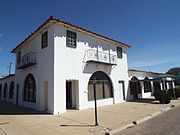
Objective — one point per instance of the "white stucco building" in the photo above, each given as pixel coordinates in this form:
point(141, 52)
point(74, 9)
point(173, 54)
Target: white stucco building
point(142, 84)
point(56, 66)
point(7, 88)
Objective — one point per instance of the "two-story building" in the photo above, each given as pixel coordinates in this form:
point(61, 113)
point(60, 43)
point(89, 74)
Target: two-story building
point(58, 63)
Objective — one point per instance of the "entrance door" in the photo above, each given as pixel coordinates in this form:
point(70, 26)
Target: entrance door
point(68, 95)
point(122, 89)
point(17, 93)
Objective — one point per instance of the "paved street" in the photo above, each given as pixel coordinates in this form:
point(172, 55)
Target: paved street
point(167, 123)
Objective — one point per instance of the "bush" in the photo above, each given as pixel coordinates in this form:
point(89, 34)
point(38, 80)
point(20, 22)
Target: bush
point(177, 92)
point(163, 96)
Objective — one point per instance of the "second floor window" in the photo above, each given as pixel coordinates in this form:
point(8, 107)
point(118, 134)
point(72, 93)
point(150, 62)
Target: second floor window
point(119, 52)
point(71, 39)
point(44, 40)
point(19, 57)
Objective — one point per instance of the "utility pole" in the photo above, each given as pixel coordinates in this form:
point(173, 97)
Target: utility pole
point(9, 67)
point(95, 102)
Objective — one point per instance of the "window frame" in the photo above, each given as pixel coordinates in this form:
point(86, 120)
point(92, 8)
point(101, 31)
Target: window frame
point(44, 40)
point(119, 52)
point(147, 85)
point(18, 57)
point(30, 89)
point(73, 38)
point(104, 86)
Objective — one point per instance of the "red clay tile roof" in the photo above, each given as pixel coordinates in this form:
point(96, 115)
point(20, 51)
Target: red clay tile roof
point(7, 76)
point(148, 72)
point(51, 18)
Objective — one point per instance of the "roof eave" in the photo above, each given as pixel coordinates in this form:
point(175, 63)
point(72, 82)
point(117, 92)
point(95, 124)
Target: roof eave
point(71, 25)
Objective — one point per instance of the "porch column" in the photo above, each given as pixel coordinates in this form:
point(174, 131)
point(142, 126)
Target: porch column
point(142, 88)
point(152, 87)
point(161, 85)
point(173, 85)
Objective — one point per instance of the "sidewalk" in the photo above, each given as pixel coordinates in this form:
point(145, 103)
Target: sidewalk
point(79, 122)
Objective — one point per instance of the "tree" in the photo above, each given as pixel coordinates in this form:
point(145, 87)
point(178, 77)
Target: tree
point(174, 71)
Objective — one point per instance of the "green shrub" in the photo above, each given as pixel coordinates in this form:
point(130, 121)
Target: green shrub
point(177, 92)
point(163, 96)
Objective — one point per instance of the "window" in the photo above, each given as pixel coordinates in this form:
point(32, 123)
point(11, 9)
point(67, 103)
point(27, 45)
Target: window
point(44, 40)
point(71, 39)
point(30, 89)
point(119, 52)
point(19, 57)
point(156, 85)
point(5, 91)
point(103, 86)
point(147, 85)
point(11, 90)
point(0, 91)
point(135, 87)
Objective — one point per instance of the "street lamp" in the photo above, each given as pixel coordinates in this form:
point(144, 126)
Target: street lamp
point(95, 103)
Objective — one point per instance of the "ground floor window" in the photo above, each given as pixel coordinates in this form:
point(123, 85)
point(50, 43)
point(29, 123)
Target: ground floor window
point(5, 90)
point(103, 86)
point(156, 85)
point(147, 85)
point(30, 89)
point(11, 90)
point(135, 87)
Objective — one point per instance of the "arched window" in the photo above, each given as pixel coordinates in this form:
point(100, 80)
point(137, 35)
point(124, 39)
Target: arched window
point(103, 86)
point(11, 90)
point(147, 85)
point(5, 91)
point(156, 85)
point(30, 89)
point(135, 87)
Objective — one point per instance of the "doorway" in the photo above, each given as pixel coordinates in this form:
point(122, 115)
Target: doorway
point(135, 87)
point(122, 89)
point(68, 95)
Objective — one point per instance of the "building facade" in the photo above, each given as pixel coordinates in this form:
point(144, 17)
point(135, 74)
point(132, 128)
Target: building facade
point(142, 84)
point(57, 65)
point(7, 88)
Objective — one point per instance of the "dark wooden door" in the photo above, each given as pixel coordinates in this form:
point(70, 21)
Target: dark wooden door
point(68, 95)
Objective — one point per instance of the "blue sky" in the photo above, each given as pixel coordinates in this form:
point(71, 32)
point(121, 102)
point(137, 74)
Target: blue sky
point(150, 26)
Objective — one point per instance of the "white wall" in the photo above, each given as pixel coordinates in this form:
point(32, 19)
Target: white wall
point(7, 80)
point(42, 71)
point(70, 65)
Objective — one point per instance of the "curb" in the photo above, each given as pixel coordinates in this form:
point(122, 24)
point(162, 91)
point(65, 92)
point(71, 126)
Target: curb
point(118, 129)
point(139, 121)
point(142, 119)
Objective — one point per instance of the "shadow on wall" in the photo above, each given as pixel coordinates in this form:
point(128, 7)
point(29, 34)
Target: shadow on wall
point(90, 68)
point(10, 109)
point(87, 42)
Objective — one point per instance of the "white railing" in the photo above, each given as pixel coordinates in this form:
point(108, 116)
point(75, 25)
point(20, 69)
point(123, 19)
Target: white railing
point(98, 56)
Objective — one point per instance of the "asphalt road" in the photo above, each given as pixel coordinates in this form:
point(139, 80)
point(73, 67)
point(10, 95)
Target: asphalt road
point(167, 123)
